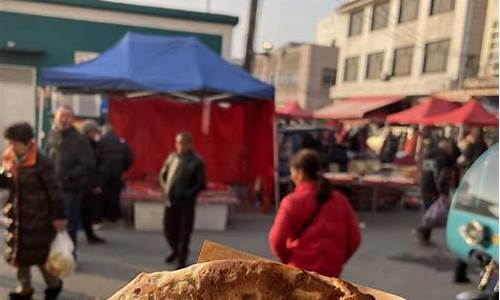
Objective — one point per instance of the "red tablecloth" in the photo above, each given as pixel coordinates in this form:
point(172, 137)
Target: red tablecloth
point(150, 191)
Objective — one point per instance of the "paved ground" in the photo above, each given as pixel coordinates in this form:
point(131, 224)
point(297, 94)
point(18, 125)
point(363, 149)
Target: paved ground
point(389, 258)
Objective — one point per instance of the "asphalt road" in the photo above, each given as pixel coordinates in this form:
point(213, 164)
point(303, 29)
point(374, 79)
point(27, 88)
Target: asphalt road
point(389, 258)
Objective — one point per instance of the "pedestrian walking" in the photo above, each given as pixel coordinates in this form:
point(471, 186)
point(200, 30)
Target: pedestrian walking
point(438, 168)
point(33, 213)
point(72, 155)
point(182, 178)
point(115, 159)
point(92, 197)
point(315, 228)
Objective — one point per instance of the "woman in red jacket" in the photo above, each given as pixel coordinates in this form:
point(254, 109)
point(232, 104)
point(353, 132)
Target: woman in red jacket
point(315, 228)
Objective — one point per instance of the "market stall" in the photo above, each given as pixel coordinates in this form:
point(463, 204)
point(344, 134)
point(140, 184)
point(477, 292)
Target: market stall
point(293, 110)
point(369, 182)
point(471, 114)
point(159, 86)
point(428, 107)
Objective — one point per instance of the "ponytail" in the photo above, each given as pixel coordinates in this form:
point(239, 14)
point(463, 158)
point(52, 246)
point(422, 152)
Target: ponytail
point(325, 189)
point(309, 162)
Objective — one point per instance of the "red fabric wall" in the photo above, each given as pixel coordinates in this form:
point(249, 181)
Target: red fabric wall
point(237, 149)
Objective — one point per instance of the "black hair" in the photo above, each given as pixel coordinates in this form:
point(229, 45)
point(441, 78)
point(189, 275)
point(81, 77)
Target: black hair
point(308, 161)
point(186, 136)
point(20, 132)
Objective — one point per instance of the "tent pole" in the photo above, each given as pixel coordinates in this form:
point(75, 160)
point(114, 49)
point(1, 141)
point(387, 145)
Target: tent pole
point(276, 165)
point(41, 107)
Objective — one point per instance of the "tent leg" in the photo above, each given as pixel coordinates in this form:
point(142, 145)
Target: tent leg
point(276, 165)
point(41, 107)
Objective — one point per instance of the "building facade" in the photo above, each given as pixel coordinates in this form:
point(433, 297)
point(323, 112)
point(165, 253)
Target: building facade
point(42, 33)
point(404, 47)
point(300, 72)
point(488, 65)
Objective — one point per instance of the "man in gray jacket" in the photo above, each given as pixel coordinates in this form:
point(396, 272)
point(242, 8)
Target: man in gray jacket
point(72, 155)
point(182, 178)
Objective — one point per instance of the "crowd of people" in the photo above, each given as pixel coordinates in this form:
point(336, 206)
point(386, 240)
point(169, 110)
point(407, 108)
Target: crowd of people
point(76, 181)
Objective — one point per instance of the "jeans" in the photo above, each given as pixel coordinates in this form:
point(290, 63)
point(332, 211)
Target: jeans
point(73, 207)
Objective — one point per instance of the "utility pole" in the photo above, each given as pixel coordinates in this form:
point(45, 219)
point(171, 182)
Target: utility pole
point(252, 21)
point(208, 5)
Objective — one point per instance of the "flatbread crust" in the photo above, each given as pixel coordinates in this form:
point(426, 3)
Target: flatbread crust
point(238, 280)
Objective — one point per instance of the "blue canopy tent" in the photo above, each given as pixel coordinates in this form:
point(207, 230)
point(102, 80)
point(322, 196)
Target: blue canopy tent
point(141, 62)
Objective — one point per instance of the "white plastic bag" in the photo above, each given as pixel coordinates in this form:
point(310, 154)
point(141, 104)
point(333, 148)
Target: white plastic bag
point(61, 262)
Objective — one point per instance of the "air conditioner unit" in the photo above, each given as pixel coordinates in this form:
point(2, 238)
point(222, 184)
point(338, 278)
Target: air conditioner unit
point(84, 105)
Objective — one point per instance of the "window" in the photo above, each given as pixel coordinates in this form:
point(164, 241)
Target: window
point(408, 11)
point(441, 6)
point(403, 58)
point(380, 15)
point(436, 56)
point(287, 79)
point(356, 23)
point(374, 65)
point(351, 69)
point(328, 77)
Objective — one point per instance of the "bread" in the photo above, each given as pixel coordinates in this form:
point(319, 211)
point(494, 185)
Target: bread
point(238, 280)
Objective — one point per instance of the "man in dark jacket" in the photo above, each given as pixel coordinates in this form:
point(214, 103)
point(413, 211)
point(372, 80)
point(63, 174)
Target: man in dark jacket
point(33, 212)
point(71, 153)
point(91, 202)
point(182, 178)
point(115, 159)
point(475, 146)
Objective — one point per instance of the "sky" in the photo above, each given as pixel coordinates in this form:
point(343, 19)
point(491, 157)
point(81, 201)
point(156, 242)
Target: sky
point(280, 21)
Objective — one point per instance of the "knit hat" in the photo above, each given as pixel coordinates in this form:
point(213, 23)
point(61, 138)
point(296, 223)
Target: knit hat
point(88, 126)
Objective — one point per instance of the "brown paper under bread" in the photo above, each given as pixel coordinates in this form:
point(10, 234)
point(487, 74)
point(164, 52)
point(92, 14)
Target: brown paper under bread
point(211, 251)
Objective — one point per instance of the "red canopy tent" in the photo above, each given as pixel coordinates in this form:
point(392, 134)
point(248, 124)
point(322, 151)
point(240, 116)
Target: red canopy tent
point(293, 110)
point(471, 114)
point(357, 108)
point(431, 106)
point(238, 148)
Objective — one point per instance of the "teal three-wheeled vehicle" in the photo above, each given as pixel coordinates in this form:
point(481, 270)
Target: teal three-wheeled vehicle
point(472, 228)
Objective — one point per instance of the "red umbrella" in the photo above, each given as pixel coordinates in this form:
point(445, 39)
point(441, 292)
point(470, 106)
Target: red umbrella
point(293, 110)
point(471, 114)
point(430, 107)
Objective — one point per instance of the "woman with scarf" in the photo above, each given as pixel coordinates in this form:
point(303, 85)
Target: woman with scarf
point(33, 211)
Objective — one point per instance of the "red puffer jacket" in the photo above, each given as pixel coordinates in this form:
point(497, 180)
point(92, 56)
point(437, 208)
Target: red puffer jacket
point(329, 241)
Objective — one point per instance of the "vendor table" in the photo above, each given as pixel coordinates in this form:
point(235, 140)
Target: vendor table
point(212, 208)
point(376, 184)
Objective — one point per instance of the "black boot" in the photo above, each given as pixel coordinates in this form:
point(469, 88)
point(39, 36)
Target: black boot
point(52, 293)
point(19, 296)
point(171, 258)
point(181, 264)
